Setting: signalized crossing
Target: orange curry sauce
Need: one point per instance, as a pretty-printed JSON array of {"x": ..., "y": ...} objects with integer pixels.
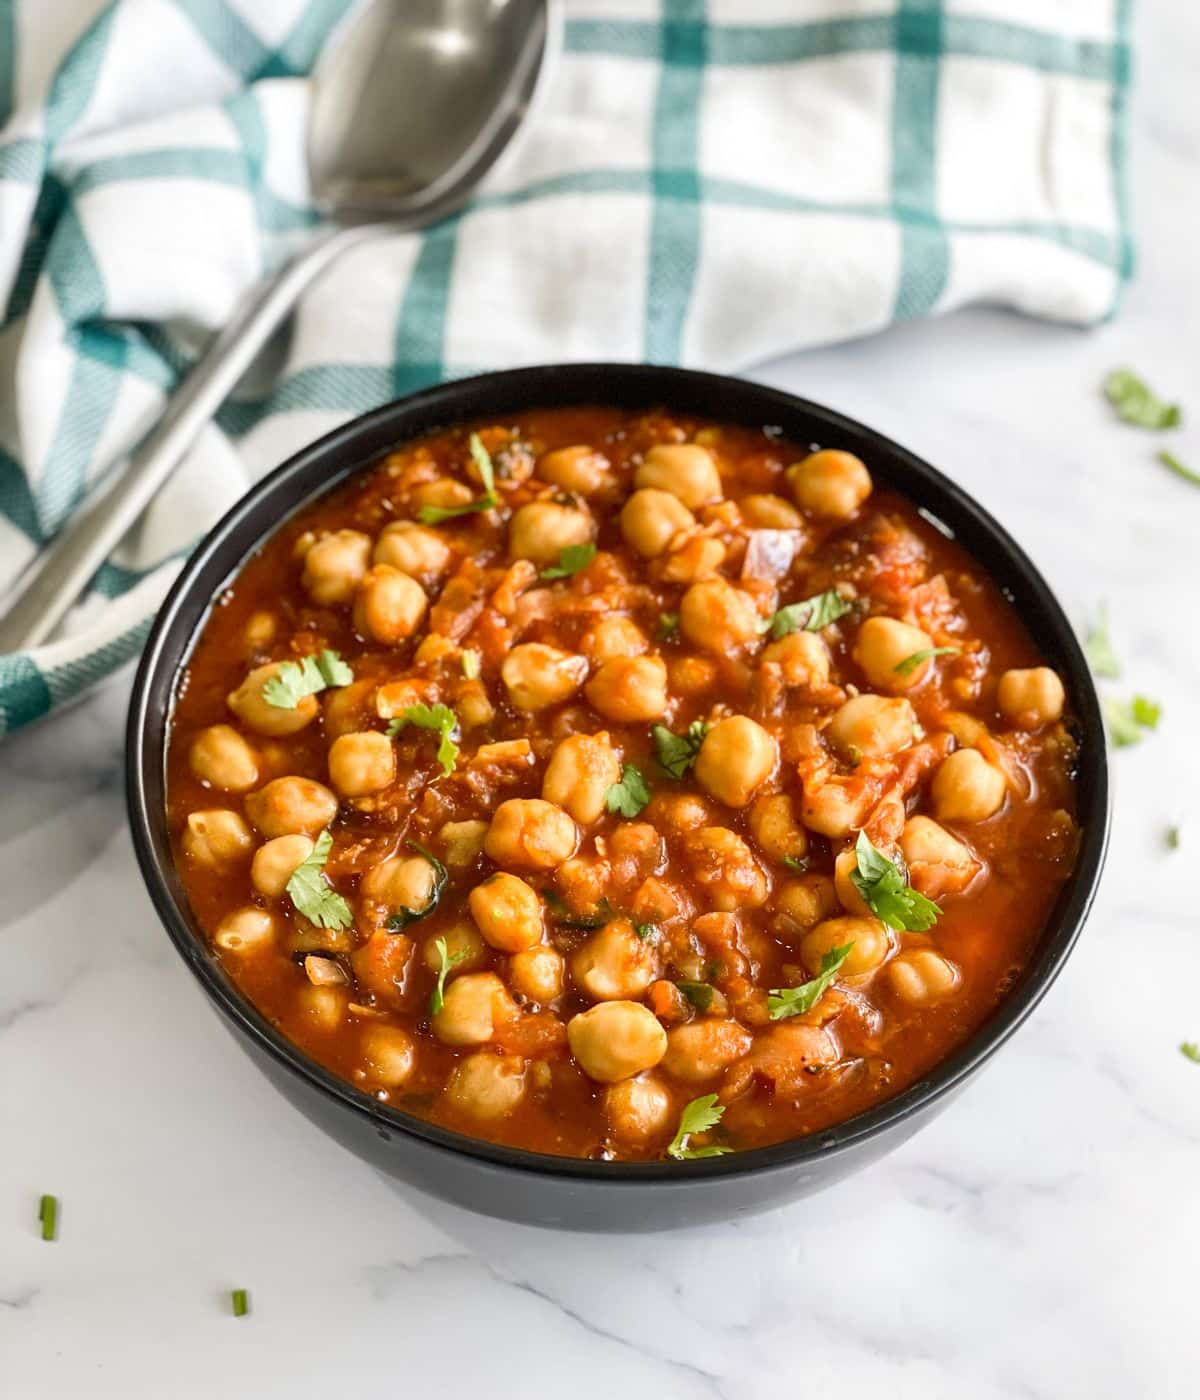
[{"x": 731, "y": 912}]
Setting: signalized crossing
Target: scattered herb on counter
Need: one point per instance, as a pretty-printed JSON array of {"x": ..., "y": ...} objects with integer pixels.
[
  {"x": 572, "y": 558},
  {"x": 240, "y": 1301},
  {"x": 1190, "y": 1051},
  {"x": 677, "y": 752},
  {"x": 783, "y": 1002},
  {"x": 1128, "y": 720},
  {"x": 48, "y": 1216},
  {"x": 1135, "y": 402},
  {"x": 631, "y": 795},
  {"x": 1097, "y": 647},
  {"x": 697, "y": 1117},
  {"x": 446, "y": 962},
  {"x": 311, "y": 892},
  {"x": 809, "y": 615},
  {"x": 918, "y": 658},
  {"x": 1172, "y": 463},
  {"x": 441, "y": 719},
  {"x": 309, "y": 676},
  {"x": 434, "y": 515},
  {"x": 886, "y": 892},
  {"x": 1173, "y": 838}
]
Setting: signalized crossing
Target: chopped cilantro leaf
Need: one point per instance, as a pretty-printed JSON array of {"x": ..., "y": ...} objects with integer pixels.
[
  {"x": 677, "y": 752},
  {"x": 441, "y": 719},
  {"x": 434, "y": 515},
  {"x": 809, "y": 615},
  {"x": 571, "y": 559},
  {"x": 446, "y": 961},
  {"x": 698, "y": 1117},
  {"x": 401, "y": 918},
  {"x": 312, "y": 674},
  {"x": 1128, "y": 719},
  {"x": 887, "y": 894},
  {"x": 1135, "y": 402},
  {"x": 918, "y": 658},
  {"x": 630, "y": 795},
  {"x": 646, "y": 932},
  {"x": 668, "y": 626},
  {"x": 311, "y": 892},
  {"x": 1190, "y": 1051},
  {"x": 783, "y": 1002},
  {"x": 700, "y": 994}
]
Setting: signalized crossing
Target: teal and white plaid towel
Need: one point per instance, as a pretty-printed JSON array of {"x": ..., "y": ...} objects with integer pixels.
[{"x": 708, "y": 183}]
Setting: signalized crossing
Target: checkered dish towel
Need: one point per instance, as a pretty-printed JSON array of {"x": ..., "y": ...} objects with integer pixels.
[{"x": 707, "y": 184}]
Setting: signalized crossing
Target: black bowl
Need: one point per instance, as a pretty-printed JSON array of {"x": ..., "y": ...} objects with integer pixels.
[{"x": 526, "y": 1186}]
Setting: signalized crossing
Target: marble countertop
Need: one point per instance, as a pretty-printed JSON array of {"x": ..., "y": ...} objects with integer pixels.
[{"x": 1040, "y": 1239}]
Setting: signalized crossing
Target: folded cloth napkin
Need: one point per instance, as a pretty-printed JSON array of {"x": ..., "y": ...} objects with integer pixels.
[{"x": 706, "y": 183}]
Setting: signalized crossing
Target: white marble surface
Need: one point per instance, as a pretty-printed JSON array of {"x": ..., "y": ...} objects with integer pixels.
[{"x": 1039, "y": 1240}]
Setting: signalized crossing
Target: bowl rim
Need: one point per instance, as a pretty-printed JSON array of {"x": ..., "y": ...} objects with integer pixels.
[{"x": 182, "y": 615}]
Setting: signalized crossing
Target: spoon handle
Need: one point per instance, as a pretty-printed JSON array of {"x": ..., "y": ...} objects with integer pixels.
[{"x": 61, "y": 573}]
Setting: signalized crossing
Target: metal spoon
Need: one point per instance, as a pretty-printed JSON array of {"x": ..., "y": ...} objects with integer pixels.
[{"x": 409, "y": 111}]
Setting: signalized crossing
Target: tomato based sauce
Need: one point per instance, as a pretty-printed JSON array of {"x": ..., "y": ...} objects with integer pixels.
[{"x": 634, "y": 761}]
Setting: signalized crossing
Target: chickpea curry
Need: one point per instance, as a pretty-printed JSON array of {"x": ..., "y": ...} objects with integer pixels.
[{"x": 620, "y": 785}]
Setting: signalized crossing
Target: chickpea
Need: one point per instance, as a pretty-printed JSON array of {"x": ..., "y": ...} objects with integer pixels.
[
  {"x": 579, "y": 775},
  {"x": 324, "y": 1006},
  {"x": 873, "y": 943},
  {"x": 844, "y": 866},
  {"x": 462, "y": 842},
  {"x": 687, "y": 471},
  {"x": 486, "y": 1085},
  {"x": 464, "y": 947},
  {"x": 696, "y": 558},
  {"x": 830, "y": 483},
  {"x": 538, "y": 676},
  {"x": 537, "y": 974},
  {"x": 250, "y": 706},
  {"x": 967, "y": 788},
  {"x": 872, "y": 725},
  {"x": 723, "y": 866},
  {"x": 334, "y": 567},
  {"x": 531, "y": 833},
  {"x": 882, "y": 644},
  {"x": 680, "y": 811},
  {"x": 245, "y": 931},
  {"x": 637, "y": 1109},
  {"x": 541, "y": 530},
  {"x": 801, "y": 903},
  {"x": 348, "y": 708},
  {"x": 611, "y": 637},
  {"x": 474, "y": 1006},
  {"x": 389, "y": 606},
  {"x": 581, "y": 470},
  {"x": 938, "y": 863},
  {"x": 736, "y": 757},
  {"x": 220, "y": 757},
  {"x": 650, "y": 520},
  {"x": 716, "y": 617},
  {"x": 363, "y": 763},
  {"x": 836, "y": 808},
  {"x": 766, "y": 512},
  {"x": 216, "y": 838},
  {"x": 630, "y": 689},
  {"x": 614, "y": 964},
  {"x": 276, "y": 861},
  {"x": 922, "y": 976},
  {"x": 260, "y": 630},
  {"x": 692, "y": 675},
  {"x": 615, "y": 1040},
  {"x": 775, "y": 829},
  {"x": 389, "y": 1055},
  {"x": 702, "y": 1049},
  {"x": 508, "y": 912},
  {"x": 401, "y": 883},
  {"x": 289, "y": 805},
  {"x": 445, "y": 493},
  {"x": 414, "y": 549},
  {"x": 1029, "y": 699},
  {"x": 802, "y": 658}
]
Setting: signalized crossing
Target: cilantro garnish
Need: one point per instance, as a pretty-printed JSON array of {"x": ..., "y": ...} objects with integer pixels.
[
  {"x": 700, "y": 994},
  {"x": 887, "y": 894},
  {"x": 630, "y": 795},
  {"x": 677, "y": 752},
  {"x": 571, "y": 559},
  {"x": 918, "y": 658},
  {"x": 783, "y": 1002},
  {"x": 312, "y": 893},
  {"x": 441, "y": 719},
  {"x": 668, "y": 626},
  {"x": 698, "y": 1117},
  {"x": 401, "y": 918},
  {"x": 1136, "y": 403},
  {"x": 447, "y": 961},
  {"x": 434, "y": 515},
  {"x": 296, "y": 679},
  {"x": 809, "y": 615}
]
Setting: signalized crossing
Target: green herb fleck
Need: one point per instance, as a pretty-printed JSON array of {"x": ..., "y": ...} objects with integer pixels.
[
  {"x": 677, "y": 752},
  {"x": 1172, "y": 463},
  {"x": 698, "y": 1117},
  {"x": 668, "y": 626},
  {"x": 1098, "y": 647},
  {"x": 886, "y": 893},
  {"x": 48, "y": 1215},
  {"x": 809, "y": 615},
  {"x": 918, "y": 658},
  {"x": 571, "y": 559},
  {"x": 441, "y": 719},
  {"x": 567, "y": 917},
  {"x": 799, "y": 863},
  {"x": 1129, "y": 719},
  {"x": 630, "y": 795},
  {"x": 783, "y": 1002},
  {"x": 309, "y": 676},
  {"x": 401, "y": 918},
  {"x": 434, "y": 515},
  {"x": 1136, "y": 403},
  {"x": 1173, "y": 838},
  {"x": 311, "y": 892},
  {"x": 700, "y": 994},
  {"x": 240, "y": 1300},
  {"x": 446, "y": 961},
  {"x": 646, "y": 932},
  {"x": 1190, "y": 1051}
]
